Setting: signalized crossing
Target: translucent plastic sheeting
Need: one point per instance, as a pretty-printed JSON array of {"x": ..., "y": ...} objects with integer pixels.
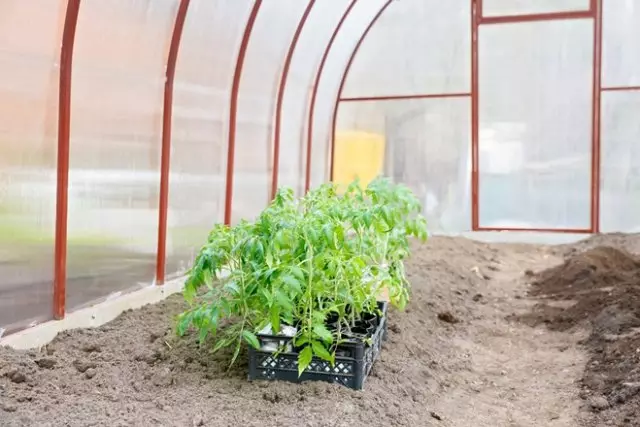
[
  {"x": 427, "y": 147},
  {"x": 529, "y": 7},
  {"x": 28, "y": 133},
  {"x": 535, "y": 111},
  {"x": 322, "y": 21},
  {"x": 116, "y": 116},
  {"x": 620, "y": 35},
  {"x": 270, "y": 41},
  {"x": 202, "y": 90},
  {"x": 416, "y": 47},
  {"x": 620, "y": 162},
  {"x": 354, "y": 26}
]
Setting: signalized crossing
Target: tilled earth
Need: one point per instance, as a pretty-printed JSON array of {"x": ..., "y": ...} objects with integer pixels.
[
  {"x": 467, "y": 352},
  {"x": 598, "y": 287}
]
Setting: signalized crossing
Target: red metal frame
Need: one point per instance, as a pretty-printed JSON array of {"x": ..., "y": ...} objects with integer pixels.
[
  {"x": 539, "y": 230},
  {"x": 343, "y": 80},
  {"x": 314, "y": 93},
  {"x": 594, "y": 12},
  {"x": 596, "y": 7},
  {"x": 233, "y": 109},
  {"x": 553, "y": 16},
  {"x": 165, "y": 159},
  {"x": 280, "y": 97},
  {"x": 620, "y": 89},
  {"x": 476, "y": 10},
  {"x": 550, "y": 16},
  {"x": 64, "y": 134},
  {"x": 404, "y": 97}
]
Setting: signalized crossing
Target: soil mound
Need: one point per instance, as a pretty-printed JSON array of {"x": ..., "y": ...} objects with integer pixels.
[
  {"x": 595, "y": 270},
  {"x": 599, "y": 289},
  {"x": 627, "y": 242}
]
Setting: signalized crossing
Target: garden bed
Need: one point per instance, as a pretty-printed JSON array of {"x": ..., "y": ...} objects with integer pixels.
[{"x": 482, "y": 371}]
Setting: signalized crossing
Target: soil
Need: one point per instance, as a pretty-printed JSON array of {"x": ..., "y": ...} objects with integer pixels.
[
  {"x": 460, "y": 355},
  {"x": 599, "y": 289}
]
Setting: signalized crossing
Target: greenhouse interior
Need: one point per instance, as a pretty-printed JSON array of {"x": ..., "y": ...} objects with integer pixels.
[{"x": 130, "y": 128}]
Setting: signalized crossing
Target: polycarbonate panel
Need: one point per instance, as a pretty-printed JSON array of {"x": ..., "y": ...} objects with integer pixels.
[
  {"x": 427, "y": 147},
  {"x": 29, "y": 64},
  {"x": 416, "y": 47},
  {"x": 620, "y": 162},
  {"x": 535, "y": 124},
  {"x": 530, "y": 7},
  {"x": 116, "y": 117},
  {"x": 322, "y": 21},
  {"x": 202, "y": 91},
  {"x": 620, "y": 35},
  {"x": 356, "y": 23},
  {"x": 270, "y": 41}
]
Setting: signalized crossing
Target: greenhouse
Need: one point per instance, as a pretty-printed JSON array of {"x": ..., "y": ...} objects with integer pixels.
[{"x": 143, "y": 142}]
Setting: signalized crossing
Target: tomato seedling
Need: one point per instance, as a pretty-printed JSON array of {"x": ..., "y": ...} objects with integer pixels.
[{"x": 315, "y": 265}]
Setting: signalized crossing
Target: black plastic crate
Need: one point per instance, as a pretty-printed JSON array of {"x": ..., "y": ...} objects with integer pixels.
[{"x": 351, "y": 368}]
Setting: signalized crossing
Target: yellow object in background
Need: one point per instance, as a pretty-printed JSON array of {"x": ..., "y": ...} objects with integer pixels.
[{"x": 357, "y": 155}]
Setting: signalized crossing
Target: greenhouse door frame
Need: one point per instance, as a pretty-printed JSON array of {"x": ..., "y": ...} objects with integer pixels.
[
  {"x": 477, "y": 19},
  {"x": 594, "y": 12}
]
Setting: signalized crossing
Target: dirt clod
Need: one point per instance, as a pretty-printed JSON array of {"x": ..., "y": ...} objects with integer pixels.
[
  {"x": 598, "y": 403},
  {"x": 83, "y": 365},
  {"x": 92, "y": 348},
  {"x": 8, "y": 407},
  {"x": 17, "y": 377},
  {"x": 46, "y": 363},
  {"x": 90, "y": 373},
  {"x": 436, "y": 416},
  {"x": 448, "y": 317}
]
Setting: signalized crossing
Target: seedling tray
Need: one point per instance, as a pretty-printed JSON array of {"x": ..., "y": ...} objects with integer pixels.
[{"x": 351, "y": 368}]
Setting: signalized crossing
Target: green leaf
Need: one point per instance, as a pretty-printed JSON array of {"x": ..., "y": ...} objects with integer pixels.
[
  {"x": 232, "y": 287},
  {"x": 320, "y": 351},
  {"x": 251, "y": 339},
  {"x": 297, "y": 273},
  {"x": 328, "y": 234},
  {"x": 304, "y": 359},
  {"x": 224, "y": 342},
  {"x": 283, "y": 300},
  {"x": 318, "y": 317},
  {"x": 265, "y": 293},
  {"x": 323, "y": 333},
  {"x": 202, "y": 336},
  {"x": 184, "y": 321},
  {"x": 292, "y": 283},
  {"x": 300, "y": 341},
  {"x": 274, "y": 315}
]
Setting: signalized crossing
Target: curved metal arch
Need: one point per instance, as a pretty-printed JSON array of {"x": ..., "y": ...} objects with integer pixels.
[
  {"x": 165, "y": 159},
  {"x": 280, "y": 97},
  {"x": 344, "y": 79},
  {"x": 64, "y": 134},
  {"x": 233, "y": 108},
  {"x": 314, "y": 93}
]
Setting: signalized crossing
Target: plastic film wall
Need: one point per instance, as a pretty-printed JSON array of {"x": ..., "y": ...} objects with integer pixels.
[
  {"x": 410, "y": 84},
  {"x": 130, "y": 127},
  {"x": 501, "y": 115},
  {"x": 29, "y": 66}
]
